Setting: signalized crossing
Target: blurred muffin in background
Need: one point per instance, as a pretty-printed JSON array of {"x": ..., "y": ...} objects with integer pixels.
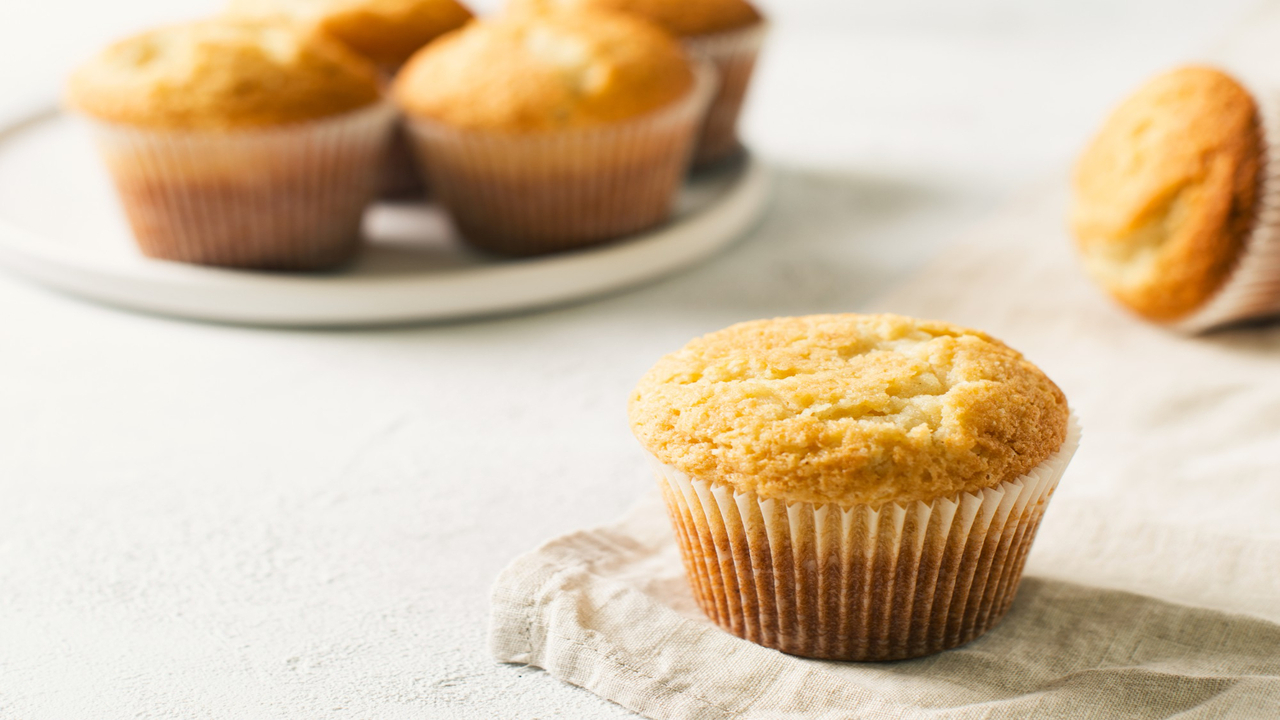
[
  {"x": 1175, "y": 204},
  {"x": 387, "y": 32},
  {"x": 239, "y": 143},
  {"x": 545, "y": 132},
  {"x": 727, "y": 33}
]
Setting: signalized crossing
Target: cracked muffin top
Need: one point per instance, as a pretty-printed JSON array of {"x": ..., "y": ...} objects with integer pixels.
[
  {"x": 223, "y": 74},
  {"x": 849, "y": 409},
  {"x": 1165, "y": 194},
  {"x": 386, "y": 32},
  {"x": 684, "y": 18},
  {"x": 534, "y": 72}
]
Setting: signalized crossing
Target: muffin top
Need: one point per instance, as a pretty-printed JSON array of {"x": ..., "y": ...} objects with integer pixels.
[
  {"x": 221, "y": 75},
  {"x": 678, "y": 17},
  {"x": 386, "y": 32},
  {"x": 1165, "y": 195},
  {"x": 849, "y": 409},
  {"x": 532, "y": 73}
]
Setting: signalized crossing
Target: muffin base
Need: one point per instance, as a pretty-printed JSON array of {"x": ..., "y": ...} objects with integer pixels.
[
  {"x": 1252, "y": 290},
  {"x": 540, "y": 193},
  {"x": 733, "y": 54},
  {"x": 288, "y": 198},
  {"x": 859, "y": 583}
]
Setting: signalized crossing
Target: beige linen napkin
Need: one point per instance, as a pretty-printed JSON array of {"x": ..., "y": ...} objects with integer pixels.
[{"x": 1153, "y": 590}]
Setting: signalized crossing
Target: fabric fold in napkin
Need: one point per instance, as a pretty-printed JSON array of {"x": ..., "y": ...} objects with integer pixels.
[
  {"x": 609, "y": 610},
  {"x": 1153, "y": 589}
]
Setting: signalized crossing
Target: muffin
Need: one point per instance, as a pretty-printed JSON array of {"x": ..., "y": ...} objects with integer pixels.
[
  {"x": 542, "y": 133},
  {"x": 853, "y": 487},
  {"x": 1175, "y": 204},
  {"x": 727, "y": 33},
  {"x": 386, "y": 32},
  {"x": 238, "y": 143}
]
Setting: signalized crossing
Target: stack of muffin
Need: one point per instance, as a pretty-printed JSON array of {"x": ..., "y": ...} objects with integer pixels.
[{"x": 257, "y": 139}]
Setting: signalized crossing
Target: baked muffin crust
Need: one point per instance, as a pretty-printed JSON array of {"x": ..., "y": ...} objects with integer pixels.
[
  {"x": 223, "y": 74},
  {"x": 386, "y": 32},
  {"x": 1165, "y": 195},
  {"x": 679, "y": 17},
  {"x": 531, "y": 73},
  {"x": 849, "y": 409}
]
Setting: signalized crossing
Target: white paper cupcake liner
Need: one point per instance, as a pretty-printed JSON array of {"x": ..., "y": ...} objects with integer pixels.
[
  {"x": 859, "y": 583},
  {"x": 286, "y": 198},
  {"x": 1252, "y": 290},
  {"x": 733, "y": 54},
  {"x": 539, "y": 193}
]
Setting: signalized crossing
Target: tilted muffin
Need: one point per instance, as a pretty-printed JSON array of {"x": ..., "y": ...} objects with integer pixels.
[
  {"x": 1171, "y": 202},
  {"x": 547, "y": 132},
  {"x": 386, "y": 32},
  {"x": 857, "y": 487},
  {"x": 727, "y": 33},
  {"x": 239, "y": 143}
]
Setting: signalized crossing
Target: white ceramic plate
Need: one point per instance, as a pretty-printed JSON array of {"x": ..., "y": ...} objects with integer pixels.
[{"x": 60, "y": 225}]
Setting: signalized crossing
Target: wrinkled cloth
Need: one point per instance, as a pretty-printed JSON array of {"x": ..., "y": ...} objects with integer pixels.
[{"x": 1153, "y": 589}]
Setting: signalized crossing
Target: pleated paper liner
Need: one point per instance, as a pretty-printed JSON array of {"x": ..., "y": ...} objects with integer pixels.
[
  {"x": 285, "y": 198},
  {"x": 733, "y": 53},
  {"x": 529, "y": 194},
  {"x": 859, "y": 583},
  {"x": 1253, "y": 289},
  {"x": 401, "y": 178}
]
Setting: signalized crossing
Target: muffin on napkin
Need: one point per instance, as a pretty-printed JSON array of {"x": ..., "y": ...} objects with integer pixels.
[
  {"x": 553, "y": 131},
  {"x": 1177, "y": 202},
  {"x": 853, "y": 487},
  {"x": 238, "y": 143},
  {"x": 727, "y": 33}
]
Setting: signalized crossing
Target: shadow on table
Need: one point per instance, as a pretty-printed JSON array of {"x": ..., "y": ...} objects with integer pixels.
[
  {"x": 1065, "y": 646},
  {"x": 827, "y": 242},
  {"x": 1063, "y": 651},
  {"x": 1256, "y": 337}
]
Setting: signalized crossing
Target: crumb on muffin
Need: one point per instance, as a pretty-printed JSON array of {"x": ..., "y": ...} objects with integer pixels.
[
  {"x": 223, "y": 74},
  {"x": 531, "y": 73},
  {"x": 1165, "y": 194},
  {"x": 849, "y": 409}
]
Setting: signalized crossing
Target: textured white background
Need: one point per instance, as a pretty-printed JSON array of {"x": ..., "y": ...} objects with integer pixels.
[{"x": 205, "y": 521}]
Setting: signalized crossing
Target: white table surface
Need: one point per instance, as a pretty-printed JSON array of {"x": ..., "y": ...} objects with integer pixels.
[{"x": 209, "y": 521}]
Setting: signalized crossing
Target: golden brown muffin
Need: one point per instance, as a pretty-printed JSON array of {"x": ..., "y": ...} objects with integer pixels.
[
  {"x": 238, "y": 143},
  {"x": 223, "y": 75},
  {"x": 386, "y": 32},
  {"x": 850, "y": 409},
  {"x": 1165, "y": 195},
  {"x": 727, "y": 33},
  {"x": 683, "y": 18},
  {"x": 538, "y": 73}
]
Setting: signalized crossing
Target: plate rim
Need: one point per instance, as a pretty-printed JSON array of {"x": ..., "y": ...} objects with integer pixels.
[{"x": 105, "y": 280}]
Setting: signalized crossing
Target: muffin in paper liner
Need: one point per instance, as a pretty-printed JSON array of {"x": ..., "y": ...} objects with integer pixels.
[
  {"x": 535, "y": 193},
  {"x": 279, "y": 198},
  {"x": 859, "y": 583},
  {"x": 733, "y": 53},
  {"x": 1252, "y": 290}
]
